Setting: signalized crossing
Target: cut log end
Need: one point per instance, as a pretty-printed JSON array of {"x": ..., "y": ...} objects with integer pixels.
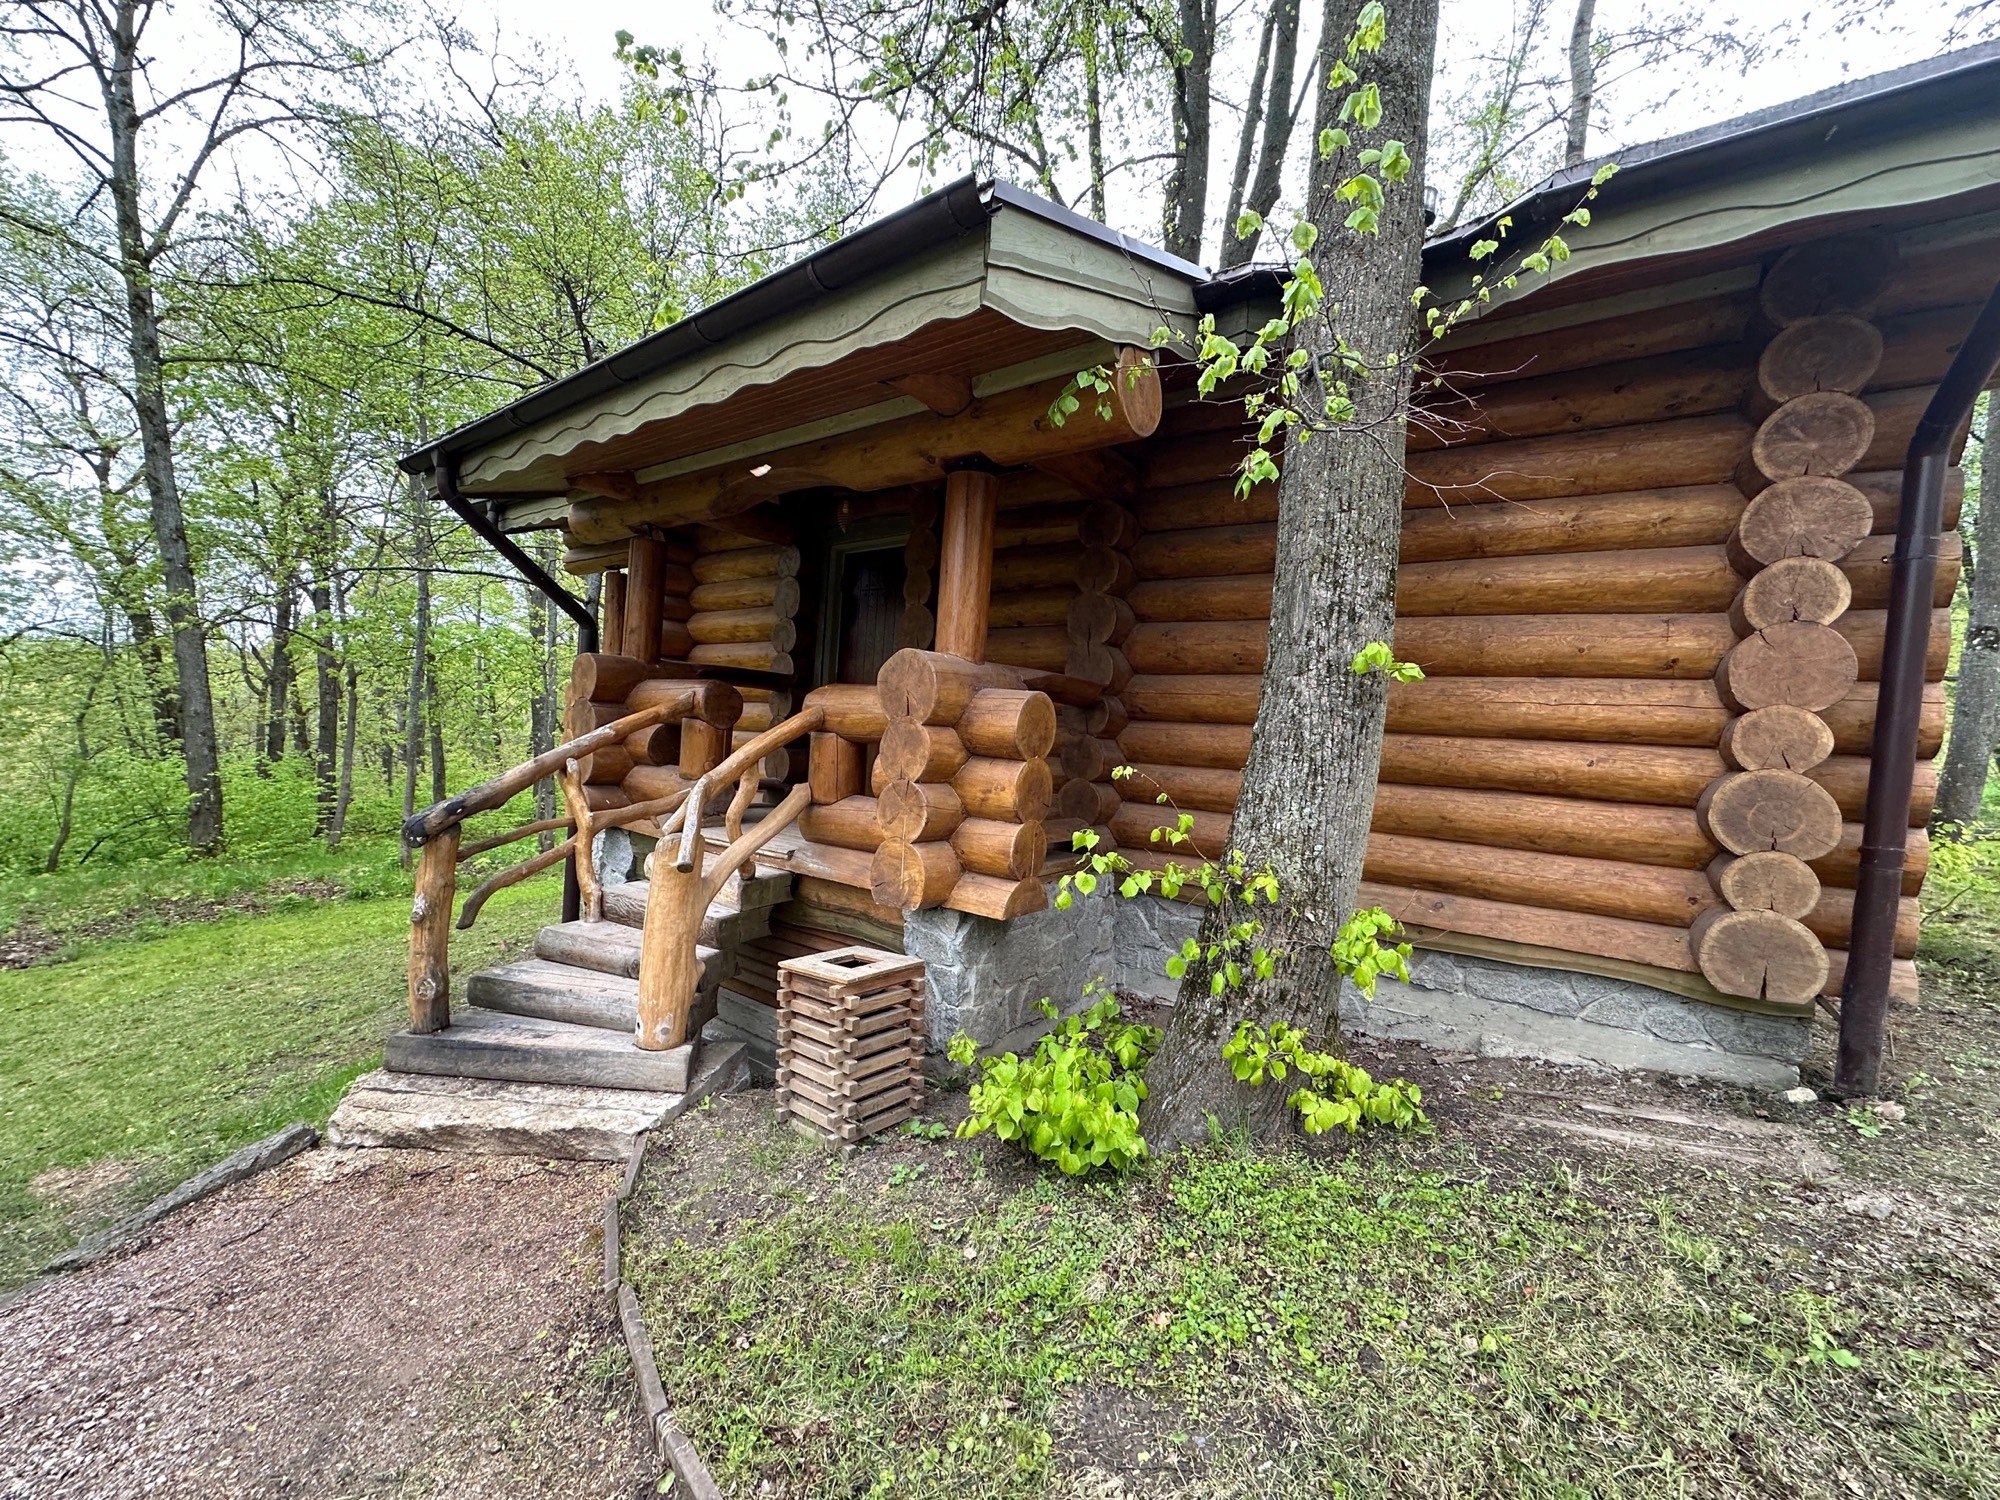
[
  {"x": 1824, "y": 433},
  {"x": 1759, "y": 955},
  {"x": 1836, "y": 352},
  {"x": 1765, "y": 881},
  {"x": 1798, "y": 663},
  {"x": 1792, "y": 588},
  {"x": 1778, "y": 738},
  {"x": 1811, "y": 516},
  {"x": 1770, "y": 810}
]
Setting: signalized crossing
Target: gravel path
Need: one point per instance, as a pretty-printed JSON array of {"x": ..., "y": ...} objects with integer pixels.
[{"x": 353, "y": 1323}]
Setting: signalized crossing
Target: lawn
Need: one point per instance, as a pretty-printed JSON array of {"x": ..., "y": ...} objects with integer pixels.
[
  {"x": 174, "y": 1013},
  {"x": 1486, "y": 1311}
]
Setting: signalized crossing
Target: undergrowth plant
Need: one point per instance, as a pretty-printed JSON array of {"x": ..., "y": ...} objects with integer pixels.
[
  {"x": 1075, "y": 1100},
  {"x": 1340, "y": 1094}
]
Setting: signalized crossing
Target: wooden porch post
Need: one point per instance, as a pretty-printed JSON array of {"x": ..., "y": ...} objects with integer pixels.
[
  {"x": 430, "y": 932},
  {"x": 612, "y": 637},
  {"x": 645, "y": 597},
  {"x": 965, "y": 562}
]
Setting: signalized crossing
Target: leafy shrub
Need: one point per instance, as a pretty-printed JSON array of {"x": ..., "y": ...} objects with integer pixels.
[
  {"x": 1075, "y": 1101},
  {"x": 1340, "y": 1095}
]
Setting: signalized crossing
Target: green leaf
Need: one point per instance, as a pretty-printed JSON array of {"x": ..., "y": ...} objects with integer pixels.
[{"x": 1248, "y": 223}]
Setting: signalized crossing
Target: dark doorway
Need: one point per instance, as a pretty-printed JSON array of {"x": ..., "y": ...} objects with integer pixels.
[{"x": 871, "y": 608}]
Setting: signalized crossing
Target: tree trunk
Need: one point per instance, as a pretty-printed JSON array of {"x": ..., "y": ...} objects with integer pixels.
[
  {"x": 1309, "y": 787},
  {"x": 1975, "y": 723},
  {"x": 345, "y": 797},
  {"x": 1093, "y": 104},
  {"x": 1280, "y": 113},
  {"x": 1246, "y": 147},
  {"x": 1582, "y": 83},
  {"x": 1187, "y": 184},
  {"x": 326, "y": 683},
  {"x": 278, "y": 681},
  {"x": 434, "y": 716},
  {"x": 149, "y": 397},
  {"x": 413, "y": 707}
]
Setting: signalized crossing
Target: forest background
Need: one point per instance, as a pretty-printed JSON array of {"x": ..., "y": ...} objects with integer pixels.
[{"x": 343, "y": 228}]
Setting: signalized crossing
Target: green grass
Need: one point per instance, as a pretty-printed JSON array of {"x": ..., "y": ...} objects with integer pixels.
[
  {"x": 146, "y": 1055},
  {"x": 1398, "y": 1320}
]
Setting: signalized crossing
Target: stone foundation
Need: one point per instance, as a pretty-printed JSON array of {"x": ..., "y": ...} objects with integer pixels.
[{"x": 985, "y": 977}]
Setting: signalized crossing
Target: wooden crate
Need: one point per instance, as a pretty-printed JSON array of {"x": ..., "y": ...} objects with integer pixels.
[{"x": 850, "y": 1041}]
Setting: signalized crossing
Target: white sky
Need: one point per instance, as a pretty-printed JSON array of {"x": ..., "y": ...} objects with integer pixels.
[{"x": 1818, "y": 45}]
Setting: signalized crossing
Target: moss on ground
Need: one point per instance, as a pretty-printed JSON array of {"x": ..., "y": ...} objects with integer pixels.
[{"x": 143, "y": 1056}]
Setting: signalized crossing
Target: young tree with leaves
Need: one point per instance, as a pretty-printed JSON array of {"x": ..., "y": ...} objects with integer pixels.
[{"x": 1309, "y": 786}]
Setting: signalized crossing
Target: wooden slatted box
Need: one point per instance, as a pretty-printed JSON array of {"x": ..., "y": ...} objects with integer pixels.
[{"x": 850, "y": 1041}]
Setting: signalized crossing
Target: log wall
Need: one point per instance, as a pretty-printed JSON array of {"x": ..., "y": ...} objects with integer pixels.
[{"x": 1644, "y": 566}]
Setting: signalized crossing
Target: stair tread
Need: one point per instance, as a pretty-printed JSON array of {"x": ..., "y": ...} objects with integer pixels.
[
  {"x": 547, "y": 974},
  {"x": 484, "y": 1043}
]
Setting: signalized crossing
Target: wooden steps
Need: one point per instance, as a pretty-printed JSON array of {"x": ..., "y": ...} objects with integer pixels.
[{"x": 482, "y": 1043}]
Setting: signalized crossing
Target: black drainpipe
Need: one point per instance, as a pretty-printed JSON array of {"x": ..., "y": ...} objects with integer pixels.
[
  {"x": 1864, "y": 991},
  {"x": 562, "y": 598}
]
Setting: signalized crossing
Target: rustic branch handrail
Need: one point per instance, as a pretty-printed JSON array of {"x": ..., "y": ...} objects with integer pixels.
[
  {"x": 488, "y": 795},
  {"x": 512, "y": 875},
  {"x": 513, "y": 835},
  {"x": 744, "y": 848}
]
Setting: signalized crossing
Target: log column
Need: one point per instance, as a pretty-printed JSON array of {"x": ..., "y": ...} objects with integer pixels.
[
  {"x": 612, "y": 636},
  {"x": 645, "y": 598},
  {"x": 962, "y": 787},
  {"x": 1789, "y": 664},
  {"x": 965, "y": 562}
]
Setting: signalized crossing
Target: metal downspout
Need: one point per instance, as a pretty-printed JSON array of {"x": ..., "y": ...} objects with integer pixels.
[
  {"x": 562, "y": 598},
  {"x": 1864, "y": 991}
]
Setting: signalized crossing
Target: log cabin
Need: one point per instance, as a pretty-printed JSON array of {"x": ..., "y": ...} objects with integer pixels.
[{"x": 847, "y": 584}]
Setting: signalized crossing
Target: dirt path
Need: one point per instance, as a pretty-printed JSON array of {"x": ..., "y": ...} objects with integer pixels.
[{"x": 361, "y": 1323}]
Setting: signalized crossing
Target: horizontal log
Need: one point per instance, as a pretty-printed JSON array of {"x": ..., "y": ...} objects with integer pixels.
[
  {"x": 1043, "y": 606},
  {"x": 1209, "y": 647},
  {"x": 1690, "y": 450},
  {"x": 1020, "y": 568},
  {"x": 1224, "y": 698},
  {"x": 1245, "y": 596},
  {"x": 651, "y": 783},
  {"x": 850, "y": 823},
  {"x": 762, "y": 526},
  {"x": 657, "y": 746},
  {"x": 1602, "y": 645},
  {"x": 934, "y": 688},
  {"x": 1135, "y": 824},
  {"x": 1484, "y": 353},
  {"x": 1008, "y": 790},
  {"x": 1686, "y": 516},
  {"x": 778, "y": 594},
  {"x": 1843, "y": 866},
  {"x": 1657, "y": 775},
  {"x": 746, "y": 563},
  {"x": 1002, "y": 900},
  {"x": 1044, "y": 648},
  {"x": 609, "y": 766},
  {"x": 1846, "y": 776},
  {"x": 1011, "y": 723},
  {"x": 1665, "y": 580},
  {"x": 1852, "y": 720},
  {"x": 763, "y": 623},
  {"x": 1216, "y": 746},
  {"x": 1864, "y": 628},
  {"x": 1832, "y": 921},
  {"x": 1012, "y": 851},
  {"x": 1555, "y": 882},
  {"x": 1211, "y": 502},
  {"x": 1687, "y": 383},
  {"x": 605, "y": 678},
  {"x": 1615, "y": 710},
  {"x": 1903, "y": 984},
  {"x": 853, "y": 710},
  {"x": 1655, "y": 944},
  {"x": 1667, "y": 836},
  {"x": 1868, "y": 572},
  {"x": 1199, "y": 457},
  {"x": 836, "y": 768},
  {"x": 1037, "y": 525},
  {"x": 1189, "y": 788},
  {"x": 1207, "y": 551},
  {"x": 750, "y": 655}
]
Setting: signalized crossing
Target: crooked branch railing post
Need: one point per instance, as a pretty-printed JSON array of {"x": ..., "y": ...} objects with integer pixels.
[
  {"x": 430, "y": 932},
  {"x": 679, "y": 891}
]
